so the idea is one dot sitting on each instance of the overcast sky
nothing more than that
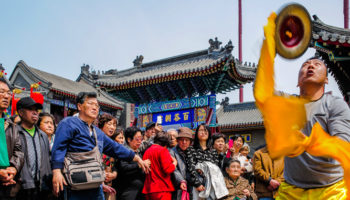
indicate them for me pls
(58, 37)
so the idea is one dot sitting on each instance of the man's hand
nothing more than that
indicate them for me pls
(200, 188)
(110, 176)
(147, 163)
(183, 186)
(108, 189)
(4, 177)
(158, 128)
(246, 192)
(7, 175)
(142, 164)
(57, 181)
(274, 184)
(12, 171)
(253, 186)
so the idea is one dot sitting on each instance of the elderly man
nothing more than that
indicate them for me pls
(307, 176)
(181, 176)
(15, 156)
(78, 134)
(36, 171)
(173, 136)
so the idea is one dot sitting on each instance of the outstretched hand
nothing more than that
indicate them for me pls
(145, 165)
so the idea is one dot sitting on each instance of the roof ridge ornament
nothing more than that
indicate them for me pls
(214, 45)
(229, 47)
(138, 61)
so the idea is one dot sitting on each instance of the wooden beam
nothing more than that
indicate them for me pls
(171, 89)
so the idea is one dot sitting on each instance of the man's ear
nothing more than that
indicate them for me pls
(79, 106)
(20, 112)
(326, 80)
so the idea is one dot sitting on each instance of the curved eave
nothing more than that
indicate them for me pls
(165, 77)
(237, 72)
(73, 96)
(322, 32)
(217, 67)
(26, 69)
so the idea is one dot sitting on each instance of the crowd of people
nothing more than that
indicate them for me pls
(87, 156)
(151, 164)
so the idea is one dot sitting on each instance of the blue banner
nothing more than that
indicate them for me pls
(174, 117)
(178, 104)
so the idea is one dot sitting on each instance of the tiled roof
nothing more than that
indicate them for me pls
(333, 45)
(198, 61)
(239, 116)
(183, 66)
(327, 33)
(60, 84)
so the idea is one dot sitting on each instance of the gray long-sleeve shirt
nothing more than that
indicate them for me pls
(307, 171)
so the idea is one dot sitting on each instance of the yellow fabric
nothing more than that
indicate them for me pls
(285, 116)
(290, 192)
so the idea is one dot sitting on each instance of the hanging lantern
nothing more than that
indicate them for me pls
(36, 96)
(14, 101)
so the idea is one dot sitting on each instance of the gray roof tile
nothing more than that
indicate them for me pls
(72, 87)
(239, 114)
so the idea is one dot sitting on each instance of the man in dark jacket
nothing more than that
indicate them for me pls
(181, 175)
(9, 175)
(36, 172)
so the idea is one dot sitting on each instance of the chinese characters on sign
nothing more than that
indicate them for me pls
(174, 117)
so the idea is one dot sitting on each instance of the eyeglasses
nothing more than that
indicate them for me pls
(93, 104)
(138, 138)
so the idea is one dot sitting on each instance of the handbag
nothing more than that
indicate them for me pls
(84, 170)
(185, 195)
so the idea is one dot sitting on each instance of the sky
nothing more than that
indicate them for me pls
(60, 36)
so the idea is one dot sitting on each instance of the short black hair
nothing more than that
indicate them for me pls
(235, 137)
(130, 132)
(83, 95)
(218, 136)
(119, 130)
(3, 80)
(105, 118)
(162, 138)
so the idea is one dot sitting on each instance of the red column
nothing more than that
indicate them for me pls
(346, 13)
(65, 108)
(240, 43)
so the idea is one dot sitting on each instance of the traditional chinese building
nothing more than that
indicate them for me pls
(181, 89)
(333, 44)
(60, 93)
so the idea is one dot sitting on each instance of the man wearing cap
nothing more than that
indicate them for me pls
(181, 175)
(36, 170)
(9, 173)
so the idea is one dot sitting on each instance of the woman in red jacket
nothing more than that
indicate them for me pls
(158, 183)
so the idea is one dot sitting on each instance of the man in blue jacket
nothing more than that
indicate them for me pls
(75, 134)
